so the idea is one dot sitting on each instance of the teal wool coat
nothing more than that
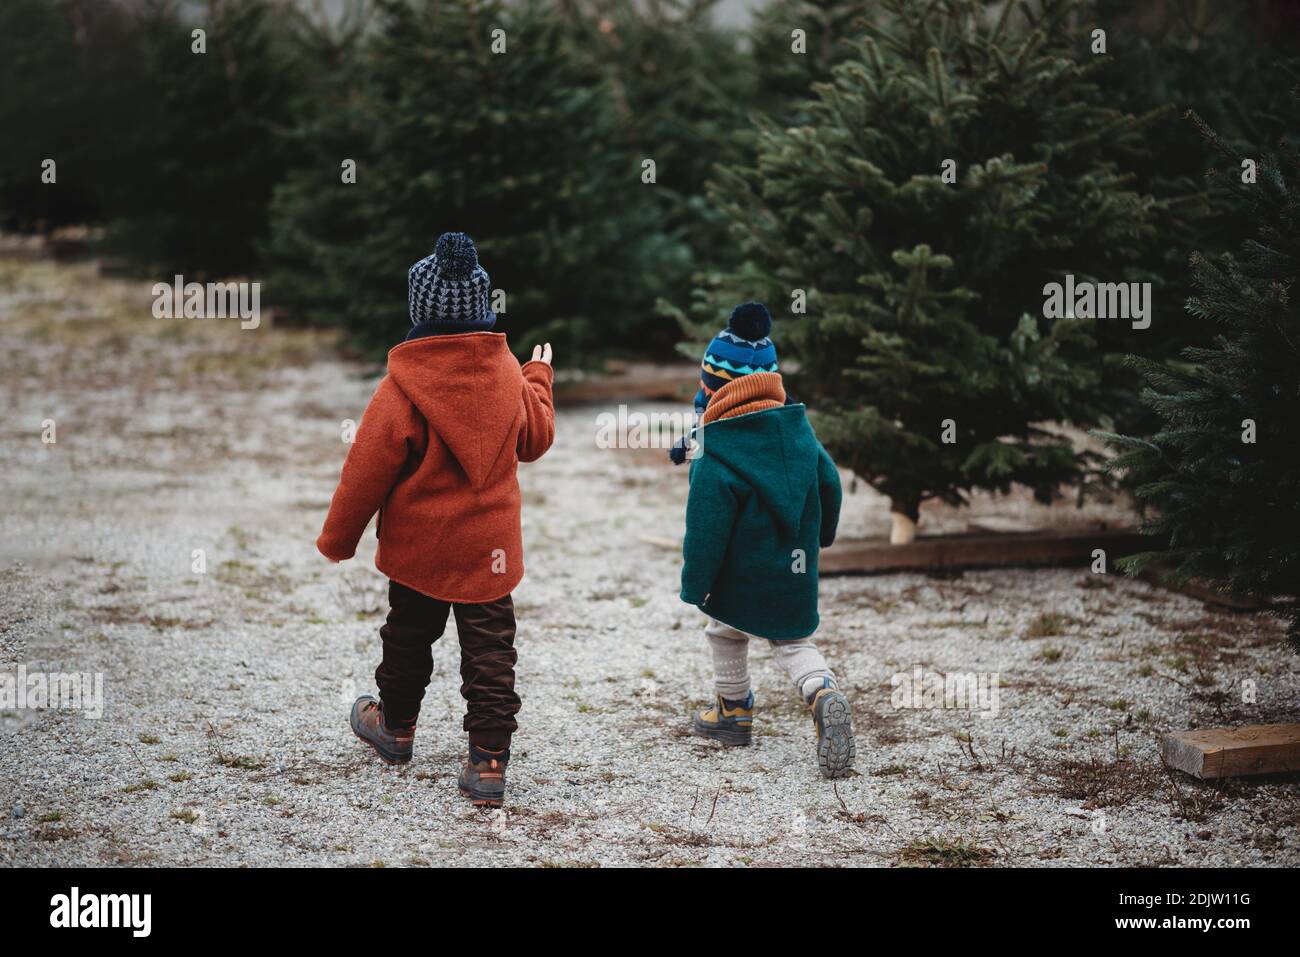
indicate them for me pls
(764, 499)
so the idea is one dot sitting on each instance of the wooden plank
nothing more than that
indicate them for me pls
(1203, 591)
(1068, 547)
(1000, 525)
(23, 248)
(112, 267)
(68, 248)
(1233, 752)
(637, 384)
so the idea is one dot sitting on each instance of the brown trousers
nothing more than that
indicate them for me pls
(487, 661)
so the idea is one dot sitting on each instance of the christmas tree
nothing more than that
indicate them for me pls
(189, 173)
(67, 78)
(1202, 57)
(1221, 477)
(951, 171)
(486, 117)
(173, 141)
(796, 43)
(682, 89)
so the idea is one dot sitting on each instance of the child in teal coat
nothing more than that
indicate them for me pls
(764, 499)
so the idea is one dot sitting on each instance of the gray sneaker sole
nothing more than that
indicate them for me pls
(835, 747)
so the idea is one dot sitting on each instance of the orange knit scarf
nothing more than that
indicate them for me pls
(756, 392)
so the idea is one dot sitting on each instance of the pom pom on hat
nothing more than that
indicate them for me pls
(751, 320)
(455, 255)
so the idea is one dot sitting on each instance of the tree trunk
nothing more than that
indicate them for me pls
(905, 515)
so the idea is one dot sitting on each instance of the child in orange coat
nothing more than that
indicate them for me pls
(436, 455)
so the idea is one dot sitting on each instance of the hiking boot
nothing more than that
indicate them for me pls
(368, 725)
(834, 723)
(483, 779)
(731, 722)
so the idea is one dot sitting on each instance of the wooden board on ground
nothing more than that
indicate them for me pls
(112, 267)
(1233, 752)
(23, 248)
(1209, 594)
(1000, 525)
(68, 249)
(951, 552)
(639, 383)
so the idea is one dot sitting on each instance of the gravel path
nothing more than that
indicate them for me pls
(224, 737)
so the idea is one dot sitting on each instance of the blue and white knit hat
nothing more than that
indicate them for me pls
(450, 286)
(741, 348)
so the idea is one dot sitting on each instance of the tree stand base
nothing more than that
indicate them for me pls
(903, 531)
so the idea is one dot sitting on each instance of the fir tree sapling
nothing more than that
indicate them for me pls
(1221, 476)
(682, 88)
(70, 82)
(194, 164)
(1205, 57)
(796, 43)
(495, 119)
(954, 167)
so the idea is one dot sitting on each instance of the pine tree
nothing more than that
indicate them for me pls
(188, 172)
(796, 43)
(1203, 57)
(1221, 477)
(67, 79)
(521, 149)
(682, 90)
(922, 346)
(176, 151)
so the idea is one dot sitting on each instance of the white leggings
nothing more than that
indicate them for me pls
(800, 660)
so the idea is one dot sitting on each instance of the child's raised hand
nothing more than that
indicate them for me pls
(542, 353)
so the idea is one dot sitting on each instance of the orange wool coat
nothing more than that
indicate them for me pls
(436, 454)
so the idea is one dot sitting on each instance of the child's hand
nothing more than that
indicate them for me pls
(542, 353)
(677, 454)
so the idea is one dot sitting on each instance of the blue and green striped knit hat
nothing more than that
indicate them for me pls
(741, 348)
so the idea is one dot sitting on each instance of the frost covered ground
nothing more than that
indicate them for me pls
(224, 739)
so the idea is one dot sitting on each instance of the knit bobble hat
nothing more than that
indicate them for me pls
(456, 255)
(450, 286)
(741, 348)
(751, 321)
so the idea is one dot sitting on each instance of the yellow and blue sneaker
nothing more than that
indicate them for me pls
(834, 723)
(731, 722)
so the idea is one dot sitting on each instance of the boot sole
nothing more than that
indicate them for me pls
(387, 756)
(727, 736)
(479, 799)
(835, 746)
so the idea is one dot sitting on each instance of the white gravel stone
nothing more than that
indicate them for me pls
(224, 738)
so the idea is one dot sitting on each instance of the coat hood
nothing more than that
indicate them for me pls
(468, 389)
(775, 452)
